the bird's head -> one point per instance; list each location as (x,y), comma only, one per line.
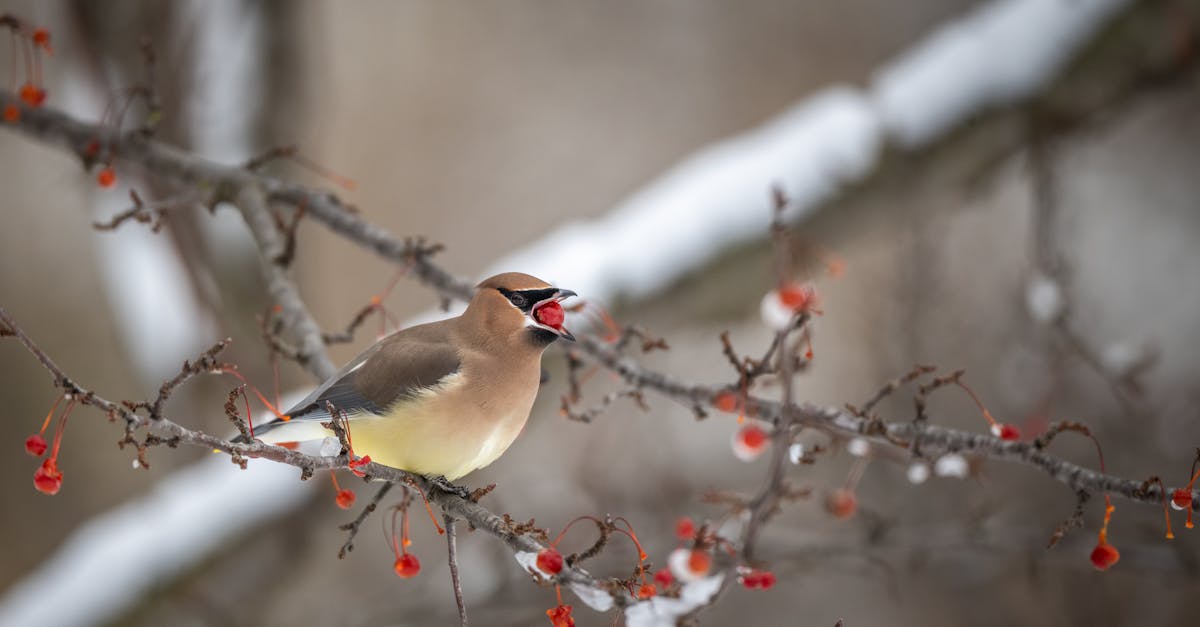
(521,308)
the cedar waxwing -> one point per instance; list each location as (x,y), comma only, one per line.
(444,398)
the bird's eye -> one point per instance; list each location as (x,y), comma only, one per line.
(517,300)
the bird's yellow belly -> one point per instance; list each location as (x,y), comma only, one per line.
(440,436)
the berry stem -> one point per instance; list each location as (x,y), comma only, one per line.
(59,429)
(49,415)
(232,370)
(987,414)
(249,416)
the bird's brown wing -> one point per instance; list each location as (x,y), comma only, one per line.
(401,365)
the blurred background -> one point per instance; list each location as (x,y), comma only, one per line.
(1048,246)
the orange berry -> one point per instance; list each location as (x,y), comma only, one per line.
(561,616)
(646,591)
(798,297)
(41,38)
(699,562)
(32,95)
(841,503)
(726,401)
(106,178)
(407,566)
(345,498)
(11,113)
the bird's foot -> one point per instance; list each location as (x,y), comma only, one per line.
(443,484)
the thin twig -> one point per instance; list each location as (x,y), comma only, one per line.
(452,556)
(354,525)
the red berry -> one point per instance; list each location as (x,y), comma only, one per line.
(841,503)
(354,465)
(646,591)
(41,37)
(751,580)
(1006,432)
(798,297)
(1104,556)
(685,529)
(407,565)
(47,479)
(550,561)
(561,616)
(699,562)
(345,498)
(1181,499)
(752,436)
(726,401)
(551,314)
(749,442)
(35,445)
(664,578)
(32,95)
(106,178)
(766,579)
(11,113)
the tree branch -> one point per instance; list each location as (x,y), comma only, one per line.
(253,194)
(170,163)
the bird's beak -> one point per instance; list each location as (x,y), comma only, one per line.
(558,330)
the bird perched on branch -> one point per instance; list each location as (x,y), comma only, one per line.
(445,398)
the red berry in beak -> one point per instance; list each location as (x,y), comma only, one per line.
(551,314)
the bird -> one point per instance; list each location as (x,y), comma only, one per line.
(445,398)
